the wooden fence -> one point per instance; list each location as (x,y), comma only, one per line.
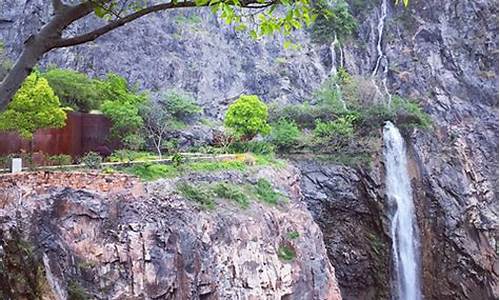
(82,133)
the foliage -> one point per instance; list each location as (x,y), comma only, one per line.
(121,105)
(151,172)
(333,18)
(286,253)
(60,160)
(196,194)
(180,105)
(91,160)
(34,106)
(343,127)
(247,116)
(166,113)
(124,155)
(256,147)
(265,192)
(413,113)
(76,291)
(231,192)
(293,235)
(177,159)
(74,89)
(284,134)
(212,166)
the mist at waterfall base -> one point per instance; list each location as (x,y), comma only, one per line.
(404,231)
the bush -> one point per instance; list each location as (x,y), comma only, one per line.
(92,160)
(256,147)
(60,160)
(410,113)
(196,194)
(180,105)
(341,127)
(285,134)
(150,172)
(331,19)
(286,253)
(74,89)
(293,235)
(231,192)
(133,141)
(34,106)
(124,155)
(247,116)
(212,166)
(265,192)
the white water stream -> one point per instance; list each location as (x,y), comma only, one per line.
(404,231)
(334,70)
(381,55)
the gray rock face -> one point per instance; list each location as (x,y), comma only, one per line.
(160,246)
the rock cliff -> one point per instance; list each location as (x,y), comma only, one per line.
(63,242)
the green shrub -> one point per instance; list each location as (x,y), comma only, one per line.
(60,160)
(212,166)
(177,159)
(285,134)
(331,19)
(411,113)
(293,235)
(341,127)
(286,253)
(265,192)
(124,155)
(196,194)
(74,89)
(231,192)
(180,104)
(151,172)
(247,117)
(256,147)
(91,160)
(34,106)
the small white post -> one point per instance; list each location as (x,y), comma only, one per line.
(16,165)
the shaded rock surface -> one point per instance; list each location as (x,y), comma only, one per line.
(157,245)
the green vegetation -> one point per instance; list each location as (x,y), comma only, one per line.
(247,117)
(197,194)
(293,235)
(74,89)
(333,18)
(60,160)
(151,172)
(34,106)
(286,253)
(231,192)
(91,160)
(124,155)
(285,134)
(266,193)
(76,291)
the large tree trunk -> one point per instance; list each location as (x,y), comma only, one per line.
(32,53)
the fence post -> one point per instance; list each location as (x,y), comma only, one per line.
(16,165)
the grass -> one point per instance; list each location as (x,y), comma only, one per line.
(197,194)
(149,172)
(231,192)
(211,166)
(286,253)
(265,192)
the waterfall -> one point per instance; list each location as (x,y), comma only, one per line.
(333,69)
(380,53)
(404,230)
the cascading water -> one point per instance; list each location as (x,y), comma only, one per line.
(404,231)
(380,53)
(333,70)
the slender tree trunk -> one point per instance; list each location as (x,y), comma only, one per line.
(32,53)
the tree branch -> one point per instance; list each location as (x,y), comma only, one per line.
(92,35)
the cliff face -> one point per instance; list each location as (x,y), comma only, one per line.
(443,53)
(60,242)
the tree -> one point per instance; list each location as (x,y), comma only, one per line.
(34,106)
(285,133)
(247,116)
(163,115)
(121,105)
(117,13)
(74,89)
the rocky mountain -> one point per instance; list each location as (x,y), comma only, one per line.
(442,53)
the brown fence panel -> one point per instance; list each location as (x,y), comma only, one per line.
(82,133)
